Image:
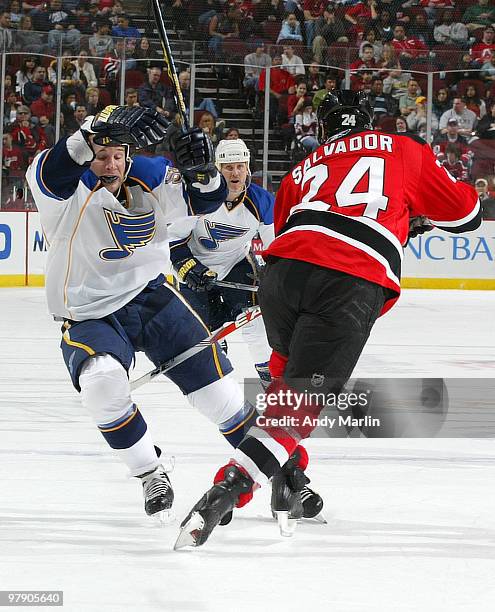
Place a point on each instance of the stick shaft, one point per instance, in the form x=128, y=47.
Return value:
x=243, y=319
x=232, y=285
x=168, y=57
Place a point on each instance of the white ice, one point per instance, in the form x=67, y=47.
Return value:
x=411, y=522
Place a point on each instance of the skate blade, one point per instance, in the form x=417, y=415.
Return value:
x=190, y=532
x=164, y=517
x=286, y=524
x=319, y=518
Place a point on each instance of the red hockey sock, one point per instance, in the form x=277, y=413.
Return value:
x=244, y=498
x=302, y=457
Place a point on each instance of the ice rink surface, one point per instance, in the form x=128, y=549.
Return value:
x=411, y=522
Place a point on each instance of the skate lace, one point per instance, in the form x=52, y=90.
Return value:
x=306, y=493
x=157, y=486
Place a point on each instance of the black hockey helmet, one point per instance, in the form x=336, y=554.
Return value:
x=343, y=109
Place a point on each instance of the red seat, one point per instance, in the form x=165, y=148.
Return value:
x=271, y=30
x=134, y=78
x=105, y=97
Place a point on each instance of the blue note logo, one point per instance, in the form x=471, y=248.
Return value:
x=220, y=232
x=129, y=233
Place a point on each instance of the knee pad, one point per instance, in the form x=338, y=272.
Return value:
x=218, y=401
x=105, y=389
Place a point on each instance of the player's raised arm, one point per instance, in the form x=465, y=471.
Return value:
x=115, y=125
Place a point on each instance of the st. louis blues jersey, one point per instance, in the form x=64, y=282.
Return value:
x=221, y=239
x=102, y=251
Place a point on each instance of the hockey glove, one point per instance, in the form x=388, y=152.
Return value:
x=194, y=155
x=195, y=275
x=419, y=225
x=123, y=125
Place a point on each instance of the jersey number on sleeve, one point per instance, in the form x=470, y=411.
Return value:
x=345, y=195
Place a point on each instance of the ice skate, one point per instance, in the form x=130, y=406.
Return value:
x=158, y=495
x=212, y=507
x=292, y=499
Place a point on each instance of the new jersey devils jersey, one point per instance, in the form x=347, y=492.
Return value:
x=347, y=205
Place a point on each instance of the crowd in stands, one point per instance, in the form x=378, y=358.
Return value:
x=389, y=46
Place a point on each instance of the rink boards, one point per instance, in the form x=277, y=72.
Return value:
x=436, y=260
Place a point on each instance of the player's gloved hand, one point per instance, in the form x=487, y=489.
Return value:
x=124, y=125
x=419, y=225
x=194, y=155
x=195, y=275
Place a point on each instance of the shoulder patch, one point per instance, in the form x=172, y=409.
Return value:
x=148, y=171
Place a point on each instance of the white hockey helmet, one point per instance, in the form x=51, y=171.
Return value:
x=231, y=152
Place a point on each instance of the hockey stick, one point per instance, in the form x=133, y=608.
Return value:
x=243, y=319
x=169, y=60
x=231, y=285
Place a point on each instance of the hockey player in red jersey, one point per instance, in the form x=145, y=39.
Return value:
x=342, y=216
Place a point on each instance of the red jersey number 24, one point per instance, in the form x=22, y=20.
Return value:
x=345, y=195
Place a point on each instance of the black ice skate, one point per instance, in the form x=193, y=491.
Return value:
x=212, y=507
x=158, y=495
x=292, y=499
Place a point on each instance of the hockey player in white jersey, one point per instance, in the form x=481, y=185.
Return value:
x=216, y=246
x=105, y=217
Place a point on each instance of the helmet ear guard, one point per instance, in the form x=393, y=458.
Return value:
x=343, y=110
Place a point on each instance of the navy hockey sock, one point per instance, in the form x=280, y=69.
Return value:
x=125, y=431
x=235, y=428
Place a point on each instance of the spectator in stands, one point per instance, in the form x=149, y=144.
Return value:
x=330, y=85
x=49, y=129
x=305, y=127
x=27, y=40
x=416, y=120
x=451, y=136
x=145, y=55
x=12, y=158
x=10, y=108
x=68, y=106
x=315, y=79
x=465, y=118
x=370, y=38
x=396, y=83
x=441, y=102
x=486, y=200
x=25, y=73
x=6, y=33
x=16, y=202
x=488, y=70
x=407, y=48
x=15, y=13
x=101, y=43
x=93, y=103
x=363, y=81
x=479, y=16
x=123, y=29
x=253, y=65
x=384, y=25
x=30, y=138
x=153, y=94
x=483, y=50
x=486, y=126
x=297, y=101
x=327, y=31
x=401, y=126
x=222, y=27
x=84, y=71
x=131, y=97
x=312, y=10
x=290, y=30
x=388, y=60
x=383, y=104
x=207, y=123
x=282, y=84
x=449, y=31
x=474, y=102
x=32, y=89
x=44, y=105
x=116, y=11
x=269, y=10
x=453, y=163
x=204, y=104
x=407, y=102
x=292, y=62
x=364, y=11
x=420, y=29
x=364, y=64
